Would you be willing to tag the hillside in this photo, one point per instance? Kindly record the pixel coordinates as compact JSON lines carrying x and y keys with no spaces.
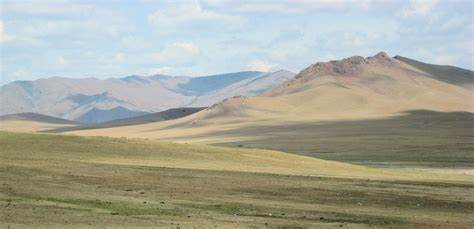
{"x":36,"y":117}
{"x":74,"y":98}
{"x":32,"y":122}
{"x":170,"y":114}
{"x":445,"y":73}
{"x":376,"y":92}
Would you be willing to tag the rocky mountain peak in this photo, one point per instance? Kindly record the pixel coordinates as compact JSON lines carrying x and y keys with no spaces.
{"x":346,"y":67}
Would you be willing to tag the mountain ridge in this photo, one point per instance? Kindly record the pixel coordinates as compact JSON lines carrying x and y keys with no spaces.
{"x":72,"y":98}
{"x":354,"y":88}
{"x":30,"y":116}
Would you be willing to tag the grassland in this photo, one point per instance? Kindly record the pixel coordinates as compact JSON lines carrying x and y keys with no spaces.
{"x":29,"y":125}
{"x":418,"y":139}
{"x":66,"y":181}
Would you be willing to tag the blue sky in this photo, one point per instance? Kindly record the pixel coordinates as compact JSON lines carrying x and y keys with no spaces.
{"x":117,"y":38}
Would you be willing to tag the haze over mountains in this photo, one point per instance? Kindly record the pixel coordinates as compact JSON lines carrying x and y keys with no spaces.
{"x":92,"y":100}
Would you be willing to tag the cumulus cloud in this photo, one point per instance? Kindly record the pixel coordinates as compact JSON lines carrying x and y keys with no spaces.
{"x":260,"y":65}
{"x":175,"y":51}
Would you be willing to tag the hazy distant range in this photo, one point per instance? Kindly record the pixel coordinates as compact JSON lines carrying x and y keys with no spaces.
{"x":91,"y":100}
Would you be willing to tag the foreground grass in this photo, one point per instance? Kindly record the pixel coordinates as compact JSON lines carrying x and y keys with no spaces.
{"x":57,"y":181}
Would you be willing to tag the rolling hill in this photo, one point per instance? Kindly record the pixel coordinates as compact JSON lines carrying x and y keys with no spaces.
{"x":36,"y":117}
{"x":69,"y":181}
{"x":379,"y":92}
{"x":32,"y":122}
{"x":93,"y":100}
{"x":170,"y":114}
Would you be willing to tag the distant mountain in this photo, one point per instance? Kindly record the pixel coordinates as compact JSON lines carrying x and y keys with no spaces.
{"x":96,"y":115}
{"x":203,"y":85}
{"x":36,"y":117}
{"x":88,"y":99}
{"x":445,"y":73}
{"x":143,"y":119}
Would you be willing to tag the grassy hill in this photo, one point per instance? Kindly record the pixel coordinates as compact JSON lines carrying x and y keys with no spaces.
{"x":32,"y":122}
{"x":356,"y":110}
{"x":69,"y":181}
{"x":36,"y":117}
{"x":445,"y":73}
{"x":416,"y":139}
{"x":143,"y":119}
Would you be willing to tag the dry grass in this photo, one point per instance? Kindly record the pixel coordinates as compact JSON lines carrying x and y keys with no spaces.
{"x":64,"y":181}
{"x":171,"y":155}
{"x":379,"y":92}
{"x":28,"y":126}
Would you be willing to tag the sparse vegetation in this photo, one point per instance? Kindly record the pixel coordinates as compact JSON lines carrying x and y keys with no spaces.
{"x":57,"y":181}
{"x":418,"y":139}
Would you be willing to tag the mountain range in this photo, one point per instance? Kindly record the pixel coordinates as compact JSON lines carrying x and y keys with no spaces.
{"x":354,"y":88}
{"x":91,"y":100}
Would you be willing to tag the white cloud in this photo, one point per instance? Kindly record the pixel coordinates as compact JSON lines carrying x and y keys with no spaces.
{"x":175,"y":51}
{"x":260,"y":65}
{"x":190,"y":14}
{"x":418,"y":7}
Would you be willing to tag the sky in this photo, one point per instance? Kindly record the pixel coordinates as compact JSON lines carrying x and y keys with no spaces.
{"x":117,"y":38}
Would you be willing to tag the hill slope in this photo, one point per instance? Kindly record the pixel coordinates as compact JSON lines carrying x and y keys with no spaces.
{"x":172,"y":155}
{"x":170,"y":114}
{"x":378,"y":91}
{"x":445,"y":73}
{"x":32,"y":122}
{"x":36,"y":117}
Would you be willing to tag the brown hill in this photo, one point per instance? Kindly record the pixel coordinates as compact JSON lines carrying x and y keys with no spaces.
{"x":350,"y":89}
